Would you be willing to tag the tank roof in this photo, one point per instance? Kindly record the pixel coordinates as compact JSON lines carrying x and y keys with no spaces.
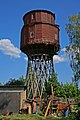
{"x":39,"y":11}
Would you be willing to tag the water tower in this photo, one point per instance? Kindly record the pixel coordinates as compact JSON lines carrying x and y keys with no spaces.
{"x":40,"y":42}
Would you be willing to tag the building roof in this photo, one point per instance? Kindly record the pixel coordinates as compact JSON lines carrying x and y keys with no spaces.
{"x":38,"y":11}
{"x":12,"y":88}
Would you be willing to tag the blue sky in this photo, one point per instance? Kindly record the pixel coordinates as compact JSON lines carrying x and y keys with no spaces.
{"x":12,"y":60}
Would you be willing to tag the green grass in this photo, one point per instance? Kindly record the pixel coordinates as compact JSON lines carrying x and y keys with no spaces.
{"x":35,"y":117}
{"x":21,"y":117}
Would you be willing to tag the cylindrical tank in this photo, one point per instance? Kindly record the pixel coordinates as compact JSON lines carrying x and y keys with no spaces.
{"x":40,"y":34}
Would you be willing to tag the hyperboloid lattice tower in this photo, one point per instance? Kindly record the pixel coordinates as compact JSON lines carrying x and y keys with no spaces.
{"x":40,"y":41}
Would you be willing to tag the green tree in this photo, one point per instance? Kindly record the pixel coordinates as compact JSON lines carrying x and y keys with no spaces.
{"x":70,"y":90}
{"x":50,"y":82}
{"x":20,"y":81}
{"x":1,"y":84}
{"x":73,"y":50}
{"x":67,"y":90}
{"x":60,"y":91}
{"x":56,"y":86}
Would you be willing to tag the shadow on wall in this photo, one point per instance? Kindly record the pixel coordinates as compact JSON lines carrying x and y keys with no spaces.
{"x":4,"y":103}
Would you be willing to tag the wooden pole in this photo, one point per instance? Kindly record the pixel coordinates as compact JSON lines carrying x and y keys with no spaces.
{"x":47,"y":108}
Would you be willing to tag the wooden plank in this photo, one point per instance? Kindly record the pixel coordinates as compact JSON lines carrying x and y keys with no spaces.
{"x":47,"y":108}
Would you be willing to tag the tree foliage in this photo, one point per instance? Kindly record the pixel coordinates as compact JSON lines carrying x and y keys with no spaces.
{"x":1,"y":84}
{"x":73,"y":50}
{"x":52,"y":81}
{"x":70,"y":90}
{"x":67,"y":90}
{"x":19,"y":81}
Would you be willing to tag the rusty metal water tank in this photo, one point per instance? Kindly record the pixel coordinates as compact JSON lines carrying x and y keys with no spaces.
{"x":39,"y":34}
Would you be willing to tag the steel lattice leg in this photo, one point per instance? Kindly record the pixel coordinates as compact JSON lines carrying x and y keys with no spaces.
{"x":40,"y":69}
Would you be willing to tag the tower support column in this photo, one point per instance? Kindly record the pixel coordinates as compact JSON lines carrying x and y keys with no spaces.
{"x":39,"y":71}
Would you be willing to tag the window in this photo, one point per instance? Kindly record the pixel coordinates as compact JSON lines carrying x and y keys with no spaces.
{"x":33,"y":16}
{"x":51,"y":20}
{"x":31,"y":34}
{"x":56,"y":37}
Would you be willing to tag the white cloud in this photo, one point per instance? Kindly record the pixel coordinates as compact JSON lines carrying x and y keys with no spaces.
{"x":26,"y":58}
{"x":57,"y":59}
{"x":60,"y":58}
{"x":9,"y":49}
{"x":63,"y":49}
